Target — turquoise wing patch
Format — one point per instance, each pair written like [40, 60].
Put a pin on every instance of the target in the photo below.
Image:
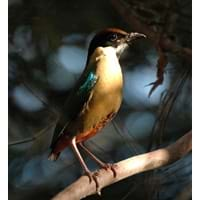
[88, 84]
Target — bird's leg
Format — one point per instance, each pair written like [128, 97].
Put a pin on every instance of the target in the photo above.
[84, 166]
[101, 163]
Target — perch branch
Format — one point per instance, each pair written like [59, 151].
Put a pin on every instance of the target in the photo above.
[126, 168]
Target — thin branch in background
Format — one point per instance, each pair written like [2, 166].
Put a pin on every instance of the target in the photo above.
[50, 108]
[166, 108]
[162, 56]
[133, 146]
[33, 138]
[168, 45]
[162, 42]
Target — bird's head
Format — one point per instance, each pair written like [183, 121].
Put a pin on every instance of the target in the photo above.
[113, 37]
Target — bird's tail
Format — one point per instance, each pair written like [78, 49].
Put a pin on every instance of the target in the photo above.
[53, 156]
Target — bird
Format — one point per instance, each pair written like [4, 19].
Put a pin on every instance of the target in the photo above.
[96, 97]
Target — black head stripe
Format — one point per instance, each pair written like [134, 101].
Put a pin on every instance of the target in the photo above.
[107, 37]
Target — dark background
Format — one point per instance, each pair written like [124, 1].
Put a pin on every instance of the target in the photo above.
[48, 42]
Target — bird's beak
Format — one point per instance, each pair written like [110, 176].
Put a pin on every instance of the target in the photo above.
[132, 36]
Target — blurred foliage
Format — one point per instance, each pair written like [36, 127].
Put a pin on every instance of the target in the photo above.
[48, 43]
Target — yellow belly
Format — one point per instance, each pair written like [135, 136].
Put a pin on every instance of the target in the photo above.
[105, 97]
[107, 94]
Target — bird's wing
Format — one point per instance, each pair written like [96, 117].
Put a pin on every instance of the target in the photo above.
[76, 102]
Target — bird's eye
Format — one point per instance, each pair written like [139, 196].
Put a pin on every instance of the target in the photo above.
[113, 37]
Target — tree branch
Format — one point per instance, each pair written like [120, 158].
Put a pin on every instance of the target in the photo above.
[126, 168]
[133, 20]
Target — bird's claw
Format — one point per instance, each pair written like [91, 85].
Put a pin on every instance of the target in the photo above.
[93, 176]
[111, 167]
